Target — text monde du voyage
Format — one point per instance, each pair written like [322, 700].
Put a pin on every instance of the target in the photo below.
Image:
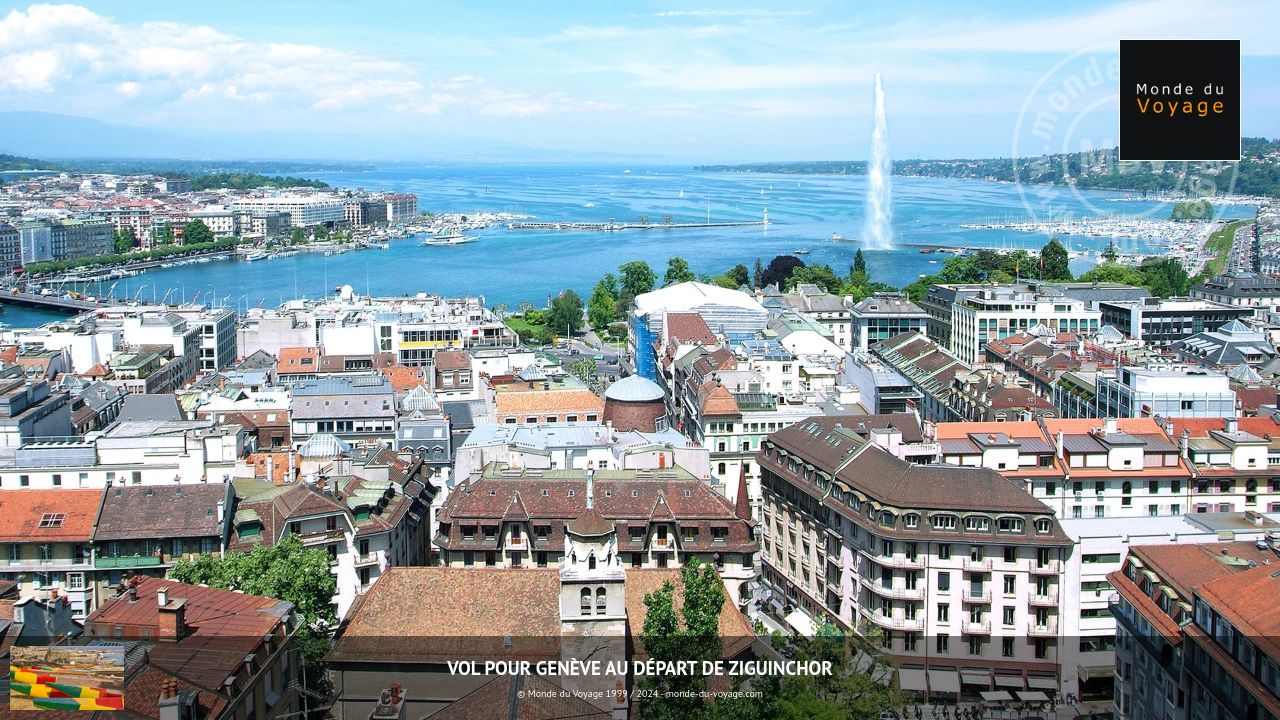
[1181, 99]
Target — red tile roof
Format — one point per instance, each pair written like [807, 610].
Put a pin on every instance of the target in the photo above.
[1200, 427]
[298, 360]
[684, 328]
[402, 378]
[61, 515]
[452, 360]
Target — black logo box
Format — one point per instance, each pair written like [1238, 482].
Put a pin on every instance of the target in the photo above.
[1187, 66]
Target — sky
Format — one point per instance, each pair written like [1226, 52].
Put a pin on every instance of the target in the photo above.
[699, 81]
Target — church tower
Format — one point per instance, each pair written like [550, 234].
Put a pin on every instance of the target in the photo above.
[593, 605]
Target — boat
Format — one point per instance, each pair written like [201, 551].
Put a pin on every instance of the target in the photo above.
[451, 238]
[926, 251]
[802, 252]
[255, 255]
[589, 205]
[836, 237]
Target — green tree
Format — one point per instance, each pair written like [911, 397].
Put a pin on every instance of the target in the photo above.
[857, 687]
[602, 308]
[196, 232]
[297, 236]
[739, 274]
[501, 310]
[637, 278]
[1054, 261]
[668, 639]
[1110, 254]
[565, 313]
[166, 235]
[677, 272]
[321, 232]
[821, 275]
[757, 274]
[859, 262]
[584, 368]
[1165, 277]
[286, 571]
[125, 241]
[779, 271]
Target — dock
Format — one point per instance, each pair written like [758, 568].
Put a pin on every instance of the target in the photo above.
[52, 302]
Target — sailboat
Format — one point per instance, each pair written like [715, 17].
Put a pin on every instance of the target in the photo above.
[681, 192]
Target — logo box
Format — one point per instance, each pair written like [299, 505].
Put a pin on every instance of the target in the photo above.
[1180, 100]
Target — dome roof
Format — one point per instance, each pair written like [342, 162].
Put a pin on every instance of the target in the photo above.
[323, 445]
[634, 389]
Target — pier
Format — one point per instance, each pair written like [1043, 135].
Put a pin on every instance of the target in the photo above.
[612, 226]
[51, 302]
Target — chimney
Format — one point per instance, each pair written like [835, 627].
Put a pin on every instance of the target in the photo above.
[1058, 450]
[1232, 424]
[133, 595]
[173, 620]
[222, 510]
[162, 596]
[170, 705]
[591, 487]
[391, 704]
[1185, 443]
[1110, 426]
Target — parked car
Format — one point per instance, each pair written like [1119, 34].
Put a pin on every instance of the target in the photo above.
[598, 356]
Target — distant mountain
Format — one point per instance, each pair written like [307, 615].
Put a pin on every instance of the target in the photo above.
[54, 136]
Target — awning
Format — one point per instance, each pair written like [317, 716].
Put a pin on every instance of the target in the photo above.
[1014, 681]
[976, 677]
[801, 623]
[1044, 683]
[1033, 696]
[911, 679]
[996, 696]
[944, 681]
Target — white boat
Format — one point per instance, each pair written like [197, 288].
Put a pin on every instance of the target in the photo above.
[836, 237]
[255, 255]
[589, 205]
[452, 238]
[802, 252]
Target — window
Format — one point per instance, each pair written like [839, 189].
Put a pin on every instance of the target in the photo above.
[585, 602]
[1008, 616]
[941, 644]
[1010, 554]
[944, 551]
[1006, 646]
[1011, 525]
[944, 581]
[944, 613]
[1010, 584]
[601, 603]
[57, 480]
[1043, 526]
[490, 558]
[51, 520]
[24, 481]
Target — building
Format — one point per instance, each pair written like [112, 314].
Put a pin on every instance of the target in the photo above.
[133, 216]
[997, 312]
[451, 374]
[48, 543]
[531, 397]
[366, 523]
[264, 223]
[352, 408]
[417, 620]
[1260, 293]
[222, 222]
[958, 568]
[30, 410]
[1195, 629]
[929, 367]
[304, 210]
[724, 311]
[882, 316]
[830, 311]
[401, 207]
[65, 239]
[1229, 346]
[1164, 390]
[1164, 321]
[206, 653]
[10, 248]
[635, 403]
[1235, 463]
[880, 388]
[143, 530]
[517, 517]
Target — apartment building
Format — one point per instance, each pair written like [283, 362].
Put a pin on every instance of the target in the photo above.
[10, 248]
[517, 517]
[813, 303]
[1255, 291]
[1195, 629]
[1165, 390]
[958, 568]
[1164, 321]
[30, 410]
[1235, 463]
[997, 312]
[930, 368]
[401, 207]
[48, 543]
[304, 210]
[352, 408]
[882, 316]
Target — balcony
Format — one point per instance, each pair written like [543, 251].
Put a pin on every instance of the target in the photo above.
[50, 564]
[897, 623]
[663, 544]
[368, 559]
[1048, 628]
[977, 596]
[1043, 600]
[1052, 567]
[324, 537]
[517, 543]
[896, 593]
[893, 561]
[982, 627]
[128, 561]
[972, 565]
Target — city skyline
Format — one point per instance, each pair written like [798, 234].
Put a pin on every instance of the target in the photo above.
[711, 82]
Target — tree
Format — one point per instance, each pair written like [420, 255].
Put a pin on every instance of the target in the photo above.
[1165, 277]
[523, 308]
[666, 639]
[637, 279]
[677, 272]
[602, 308]
[565, 313]
[584, 368]
[125, 241]
[821, 275]
[859, 262]
[501, 310]
[1113, 272]
[196, 232]
[779, 271]
[297, 236]
[757, 274]
[857, 687]
[166, 235]
[286, 571]
[1110, 254]
[739, 275]
[321, 232]
[1054, 261]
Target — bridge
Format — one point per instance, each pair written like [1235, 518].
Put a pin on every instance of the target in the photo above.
[52, 302]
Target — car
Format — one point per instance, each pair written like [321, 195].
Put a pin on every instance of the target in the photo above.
[575, 351]
[889, 715]
[598, 356]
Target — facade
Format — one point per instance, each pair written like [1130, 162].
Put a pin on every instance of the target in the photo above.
[1195, 629]
[881, 388]
[65, 239]
[829, 311]
[1260, 293]
[518, 517]
[723, 311]
[48, 543]
[401, 207]
[1164, 390]
[10, 248]
[929, 367]
[30, 410]
[304, 210]
[352, 408]
[532, 398]
[958, 568]
[997, 312]
[222, 222]
[1164, 321]
[1235, 463]
[882, 316]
